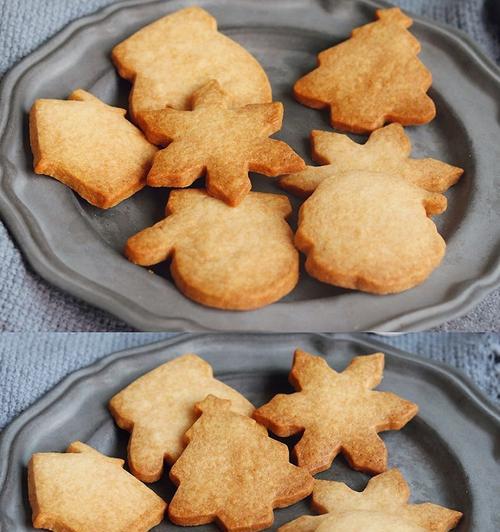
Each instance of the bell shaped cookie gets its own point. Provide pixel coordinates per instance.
(82, 490)
(337, 412)
(174, 56)
(371, 231)
(90, 147)
(387, 151)
(233, 473)
(220, 141)
(226, 257)
(382, 507)
(372, 78)
(159, 407)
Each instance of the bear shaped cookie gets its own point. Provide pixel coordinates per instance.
(370, 231)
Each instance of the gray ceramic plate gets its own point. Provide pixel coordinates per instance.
(448, 453)
(78, 247)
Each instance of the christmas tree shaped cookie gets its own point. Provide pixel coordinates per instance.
(176, 55)
(372, 78)
(381, 507)
(338, 412)
(158, 408)
(227, 257)
(370, 231)
(82, 490)
(219, 140)
(387, 151)
(90, 147)
(232, 472)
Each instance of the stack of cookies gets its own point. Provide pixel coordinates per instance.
(226, 467)
(202, 107)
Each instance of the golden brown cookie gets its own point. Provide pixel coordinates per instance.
(158, 408)
(90, 147)
(226, 257)
(219, 140)
(370, 231)
(82, 490)
(353, 521)
(233, 473)
(372, 78)
(174, 56)
(338, 412)
(387, 151)
(383, 505)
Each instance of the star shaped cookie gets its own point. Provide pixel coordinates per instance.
(338, 412)
(220, 140)
(382, 506)
(387, 151)
(84, 490)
